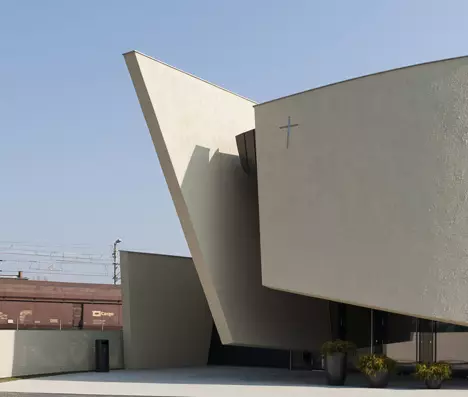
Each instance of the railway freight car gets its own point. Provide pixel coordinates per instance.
(27, 304)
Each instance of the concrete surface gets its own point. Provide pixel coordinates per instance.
(193, 125)
(31, 352)
(219, 381)
(167, 322)
(368, 205)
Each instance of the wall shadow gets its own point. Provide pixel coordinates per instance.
(222, 201)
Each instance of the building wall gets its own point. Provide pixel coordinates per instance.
(368, 205)
(193, 125)
(167, 322)
(34, 352)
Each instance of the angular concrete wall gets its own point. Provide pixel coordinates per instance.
(193, 125)
(167, 322)
(369, 204)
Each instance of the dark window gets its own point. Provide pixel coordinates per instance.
(444, 327)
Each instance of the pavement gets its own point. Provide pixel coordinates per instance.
(218, 382)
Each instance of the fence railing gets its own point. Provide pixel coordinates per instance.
(59, 325)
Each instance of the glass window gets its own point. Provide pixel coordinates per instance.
(444, 327)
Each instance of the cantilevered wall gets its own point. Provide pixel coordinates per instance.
(194, 125)
(369, 203)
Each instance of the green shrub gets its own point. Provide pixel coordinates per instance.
(338, 346)
(372, 363)
(435, 371)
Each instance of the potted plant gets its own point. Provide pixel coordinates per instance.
(377, 368)
(336, 353)
(433, 374)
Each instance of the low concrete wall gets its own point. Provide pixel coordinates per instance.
(404, 352)
(31, 352)
(451, 347)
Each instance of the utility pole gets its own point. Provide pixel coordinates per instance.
(115, 264)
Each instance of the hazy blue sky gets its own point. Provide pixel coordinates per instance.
(76, 161)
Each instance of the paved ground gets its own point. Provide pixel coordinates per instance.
(217, 382)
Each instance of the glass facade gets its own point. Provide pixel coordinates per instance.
(404, 338)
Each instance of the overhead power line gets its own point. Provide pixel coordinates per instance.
(57, 260)
(54, 256)
(52, 245)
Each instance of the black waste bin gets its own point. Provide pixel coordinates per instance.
(102, 355)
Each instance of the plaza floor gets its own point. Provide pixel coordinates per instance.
(217, 382)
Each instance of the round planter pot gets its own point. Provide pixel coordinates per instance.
(433, 383)
(335, 368)
(379, 379)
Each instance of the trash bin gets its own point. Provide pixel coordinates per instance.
(102, 355)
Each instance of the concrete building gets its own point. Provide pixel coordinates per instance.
(339, 212)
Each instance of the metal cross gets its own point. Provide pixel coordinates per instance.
(288, 126)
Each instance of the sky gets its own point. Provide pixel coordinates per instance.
(77, 165)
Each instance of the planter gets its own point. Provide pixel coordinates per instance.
(433, 383)
(335, 368)
(379, 379)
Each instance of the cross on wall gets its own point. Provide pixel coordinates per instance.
(288, 126)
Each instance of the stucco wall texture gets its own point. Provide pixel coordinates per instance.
(369, 204)
(193, 125)
(167, 322)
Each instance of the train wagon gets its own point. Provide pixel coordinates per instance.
(26, 304)
(100, 316)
